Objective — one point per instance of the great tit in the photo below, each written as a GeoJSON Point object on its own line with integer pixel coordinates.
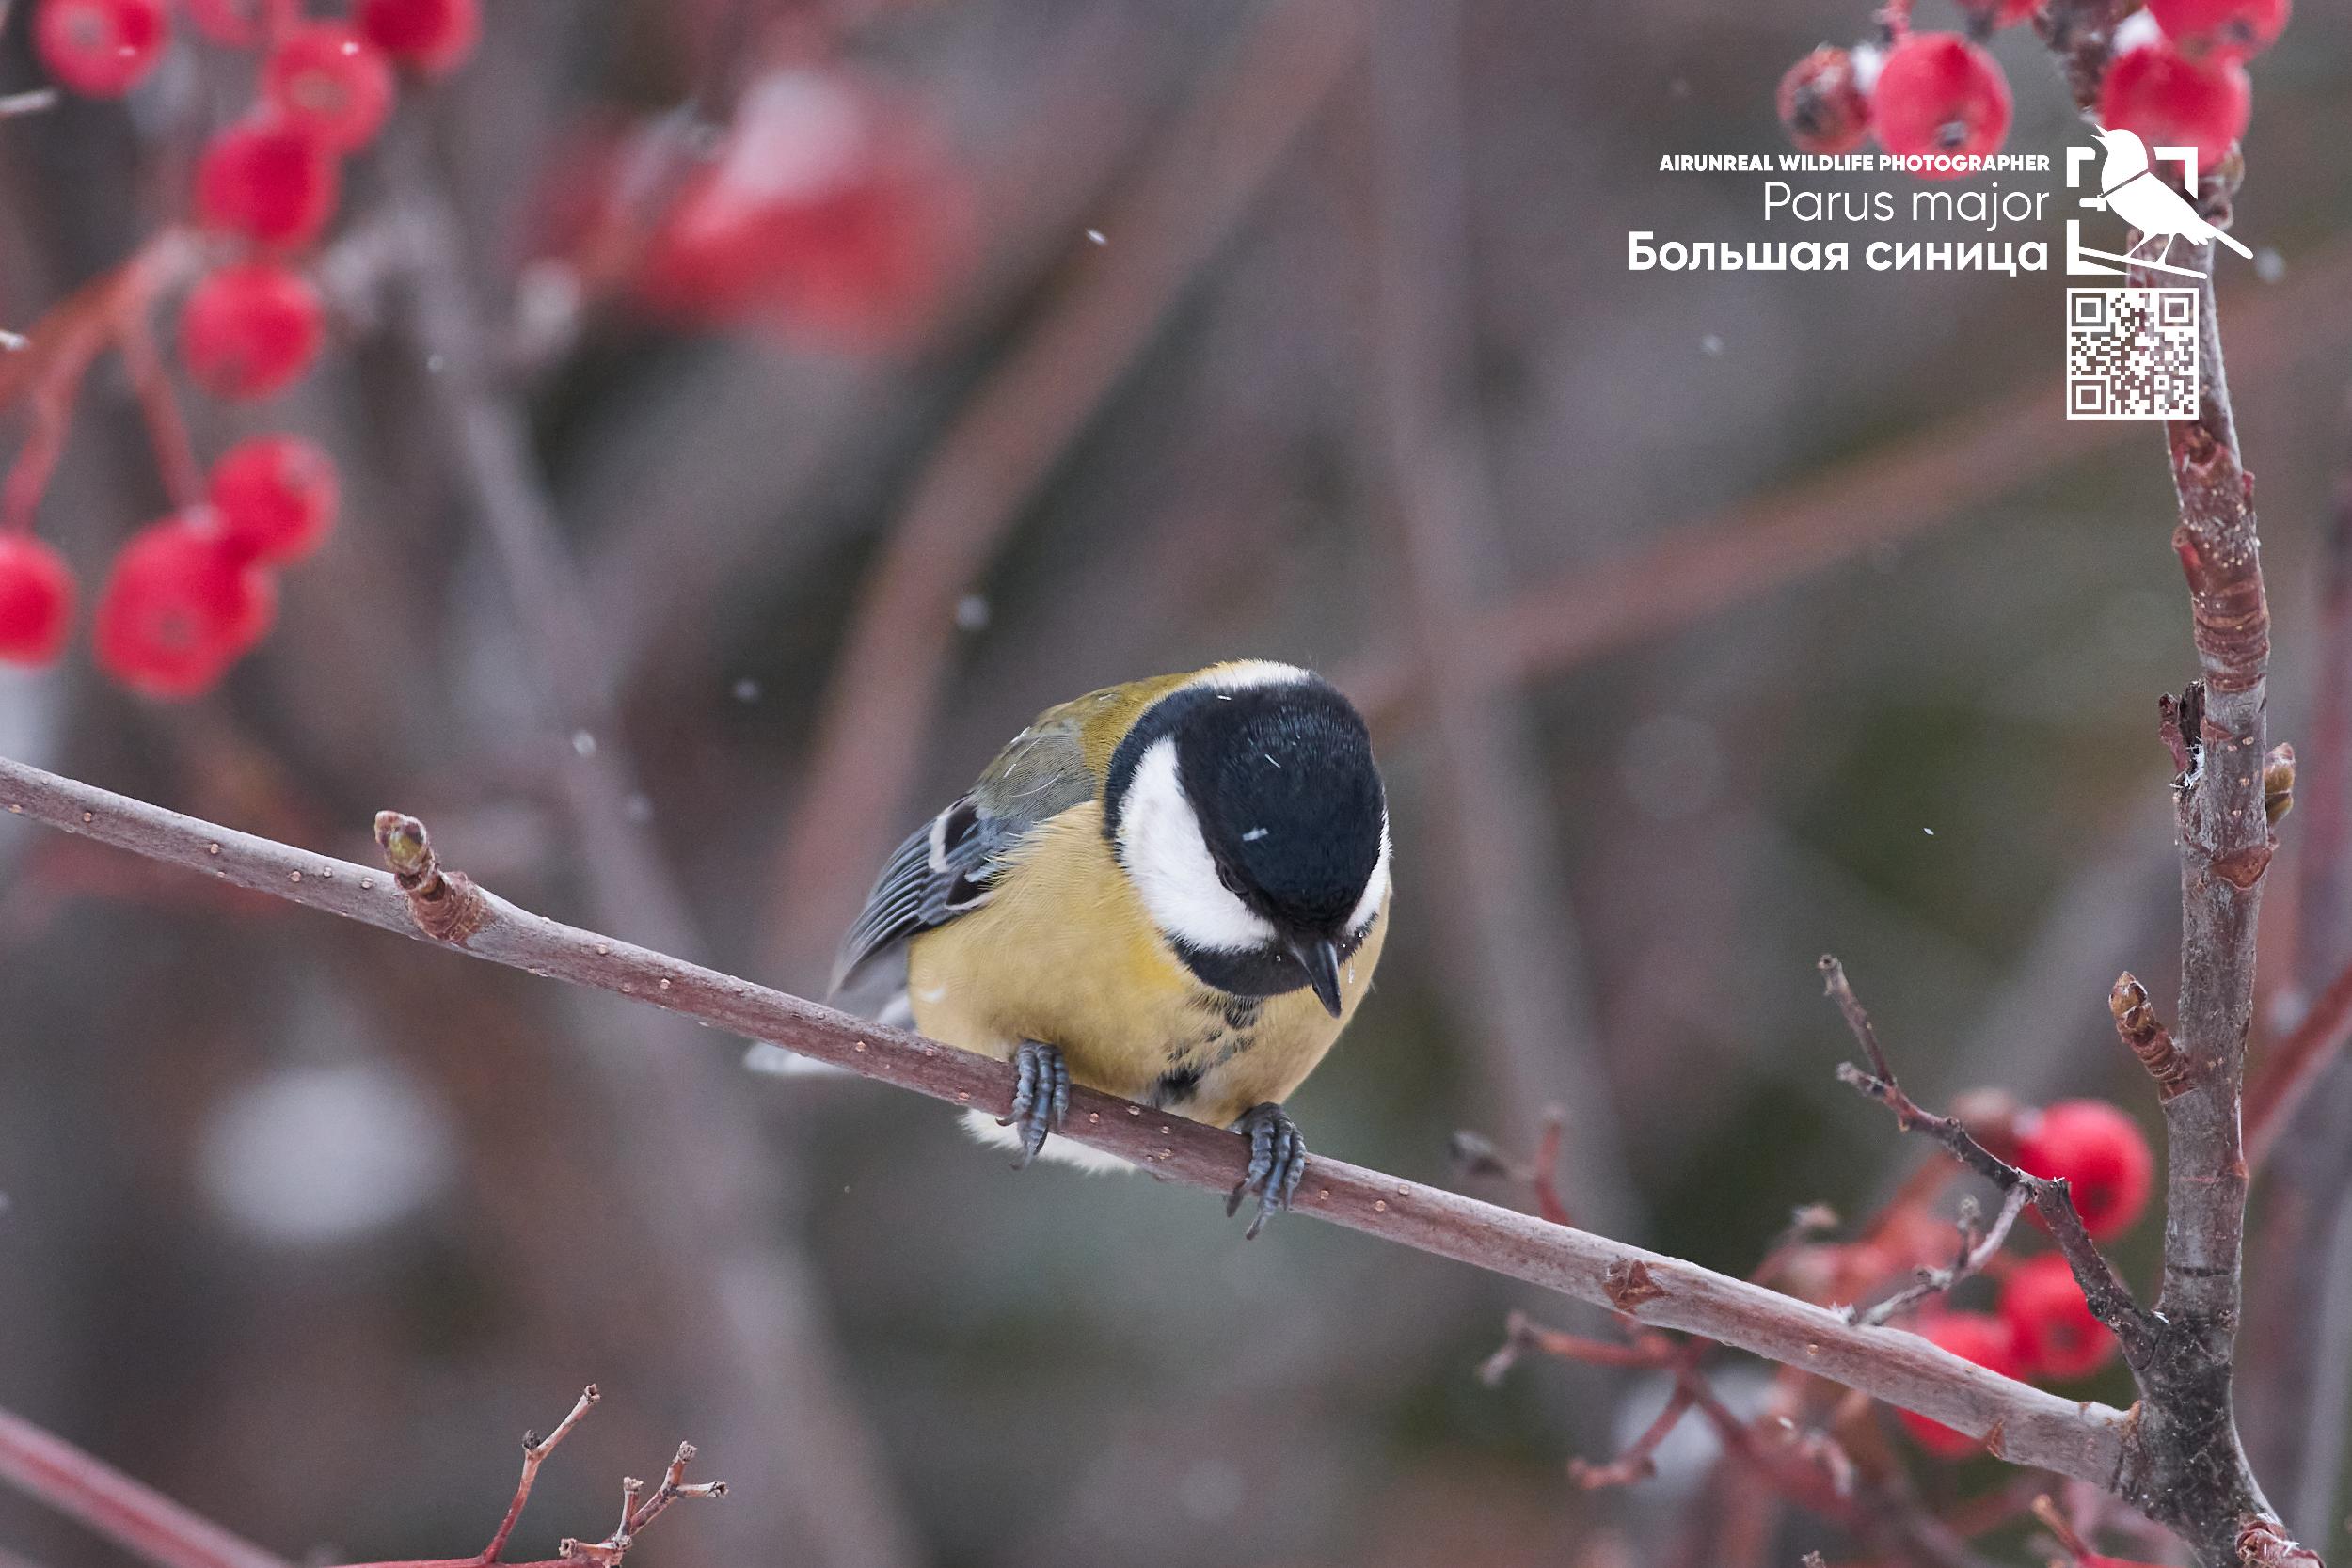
{"type": "Point", "coordinates": [1174, 890]}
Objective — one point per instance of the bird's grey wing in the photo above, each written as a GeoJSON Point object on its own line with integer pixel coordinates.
{"type": "Point", "coordinates": [948, 867]}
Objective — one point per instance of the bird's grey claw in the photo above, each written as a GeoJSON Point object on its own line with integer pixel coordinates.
{"type": "Point", "coordinates": [1041, 1096]}
{"type": "Point", "coordinates": [1278, 1163]}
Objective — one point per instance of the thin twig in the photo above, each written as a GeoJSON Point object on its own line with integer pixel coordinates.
{"type": "Point", "coordinates": [535, 1451]}
{"type": "Point", "coordinates": [159, 406]}
{"type": "Point", "coordinates": [1975, 1251]}
{"type": "Point", "coordinates": [2112, 1300]}
{"type": "Point", "coordinates": [2074, 1439]}
{"type": "Point", "coordinates": [1635, 1462]}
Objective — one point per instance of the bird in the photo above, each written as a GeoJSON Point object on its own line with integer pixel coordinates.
{"type": "Point", "coordinates": [2129, 187]}
{"type": "Point", "coordinates": [1173, 890]}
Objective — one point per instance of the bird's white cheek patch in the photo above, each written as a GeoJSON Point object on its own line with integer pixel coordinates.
{"type": "Point", "coordinates": [1375, 888]}
{"type": "Point", "coordinates": [1168, 860]}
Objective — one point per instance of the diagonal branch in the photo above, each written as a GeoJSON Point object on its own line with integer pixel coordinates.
{"type": "Point", "coordinates": [2085, 1441]}
{"type": "Point", "coordinates": [2112, 1300]}
{"type": "Point", "coordinates": [130, 1514]}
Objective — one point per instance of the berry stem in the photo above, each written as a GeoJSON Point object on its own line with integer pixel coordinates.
{"type": "Point", "coordinates": [159, 406]}
{"type": "Point", "coordinates": [36, 460]}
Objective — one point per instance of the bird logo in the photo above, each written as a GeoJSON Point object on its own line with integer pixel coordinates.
{"type": "Point", "coordinates": [2130, 188]}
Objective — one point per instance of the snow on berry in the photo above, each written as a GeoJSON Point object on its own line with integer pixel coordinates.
{"type": "Point", "coordinates": [825, 208]}
{"type": "Point", "coordinates": [35, 600]}
{"type": "Point", "coordinates": [2057, 1335]}
{"type": "Point", "coordinates": [276, 498]}
{"type": "Point", "coordinates": [268, 179]}
{"type": "Point", "coordinates": [1822, 105]}
{"type": "Point", "coordinates": [330, 83]}
{"type": "Point", "coordinates": [101, 48]}
{"type": "Point", "coordinates": [180, 606]}
{"type": "Point", "coordinates": [251, 331]}
{"type": "Point", "coordinates": [1975, 1336]}
{"type": "Point", "coordinates": [2170, 100]}
{"type": "Point", "coordinates": [2101, 1152]}
{"type": "Point", "coordinates": [432, 36]}
{"type": "Point", "coordinates": [2227, 29]}
{"type": "Point", "coordinates": [1939, 93]}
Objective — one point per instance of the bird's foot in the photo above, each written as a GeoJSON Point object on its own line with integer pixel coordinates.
{"type": "Point", "coordinates": [1278, 1161]}
{"type": "Point", "coordinates": [1041, 1096]}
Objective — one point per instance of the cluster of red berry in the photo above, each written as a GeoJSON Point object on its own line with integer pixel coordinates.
{"type": "Point", "coordinates": [192, 594]}
{"type": "Point", "coordinates": [824, 209]}
{"type": "Point", "coordinates": [2177, 78]}
{"type": "Point", "coordinates": [2044, 1329]}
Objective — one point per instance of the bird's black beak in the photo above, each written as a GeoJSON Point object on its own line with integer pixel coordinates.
{"type": "Point", "coordinates": [1320, 958]}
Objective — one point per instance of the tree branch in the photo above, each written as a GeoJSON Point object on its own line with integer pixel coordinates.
{"type": "Point", "coordinates": [132, 1514]}
{"type": "Point", "coordinates": [2075, 1439]}
{"type": "Point", "coordinates": [2112, 1300]}
{"type": "Point", "coordinates": [149, 1524]}
{"type": "Point", "coordinates": [2187, 1464]}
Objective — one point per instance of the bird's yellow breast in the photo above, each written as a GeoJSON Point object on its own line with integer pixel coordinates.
{"type": "Point", "coordinates": [1065, 954]}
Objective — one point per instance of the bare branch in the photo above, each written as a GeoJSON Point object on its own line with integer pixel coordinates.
{"type": "Point", "coordinates": [535, 1451]}
{"type": "Point", "coordinates": [1975, 1251]}
{"type": "Point", "coordinates": [2041, 1429]}
{"type": "Point", "coordinates": [2112, 1300]}
{"type": "Point", "coordinates": [130, 1514]}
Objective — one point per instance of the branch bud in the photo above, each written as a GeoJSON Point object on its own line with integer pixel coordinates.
{"type": "Point", "coordinates": [2279, 783]}
{"type": "Point", "coordinates": [447, 905]}
{"type": "Point", "coordinates": [2138, 1026]}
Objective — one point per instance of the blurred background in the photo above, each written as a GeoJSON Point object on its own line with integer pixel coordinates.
{"type": "Point", "coordinates": [1707, 622]}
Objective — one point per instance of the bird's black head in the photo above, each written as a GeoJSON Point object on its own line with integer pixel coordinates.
{"type": "Point", "coordinates": [1248, 812]}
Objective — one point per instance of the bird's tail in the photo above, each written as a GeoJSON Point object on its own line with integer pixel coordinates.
{"type": "Point", "coordinates": [2234, 243]}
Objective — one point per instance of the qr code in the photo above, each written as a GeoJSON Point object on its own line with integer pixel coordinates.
{"type": "Point", "coordinates": [2131, 354]}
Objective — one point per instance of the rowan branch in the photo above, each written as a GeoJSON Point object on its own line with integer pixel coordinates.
{"type": "Point", "coordinates": [149, 1524]}
{"type": "Point", "coordinates": [132, 1514]}
{"type": "Point", "coordinates": [2112, 1300]}
{"type": "Point", "coordinates": [2085, 1441]}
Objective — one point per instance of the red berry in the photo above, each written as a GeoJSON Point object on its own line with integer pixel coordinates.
{"type": "Point", "coordinates": [2103, 1155]}
{"type": "Point", "coordinates": [103, 48]}
{"type": "Point", "coordinates": [823, 211]}
{"type": "Point", "coordinates": [1938, 93]}
{"type": "Point", "coordinates": [330, 83]}
{"type": "Point", "coordinates": [267, 178]}
{"type": "Point", "coordinates": [431, 34]}
{"type": "Point", "coordinates": [1976, 1337]}
{"type": "Point", "coordinates": [237, 24]}
{"type": "Point", "coordinates": [276, 498]}
{"type": "Point", "coordinates": [2230, 30]}
{"type": "Point", "coordinates": [180, 608]}
{"type": "Point", "coordinates": [1822, 105]}
{"type": "Point", "coordinates": [251, 331]}
{"type": "Point", "coordinates": [2057, 1335]}
{"type": "Point", "coordinates": [2169, 99]}
{"type": "Point", "coordinates": [35, 600]}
